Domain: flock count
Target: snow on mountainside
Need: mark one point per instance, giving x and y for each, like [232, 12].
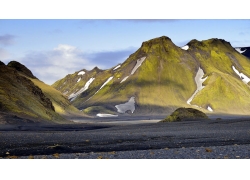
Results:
[160, 77]
[244, 51]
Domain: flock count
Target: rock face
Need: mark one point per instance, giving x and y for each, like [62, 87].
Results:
[181, 114]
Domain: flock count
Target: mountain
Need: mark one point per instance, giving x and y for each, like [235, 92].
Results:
[160, 77]
[23, 98]
[244, 51]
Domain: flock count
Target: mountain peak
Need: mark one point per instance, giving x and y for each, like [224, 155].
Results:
[96, 69]
[159, 43]
[20, 67]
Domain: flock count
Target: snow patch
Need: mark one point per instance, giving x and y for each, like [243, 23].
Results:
[210, 109]
[243, 77]
[185, 47]
[138, 64]
[117, 67]
[106, 115]
[239, 50]
[73, 96]
[79, 79]
[130, 105]
[109, 79]
[124, 79]
[81, 73]
[198, 81]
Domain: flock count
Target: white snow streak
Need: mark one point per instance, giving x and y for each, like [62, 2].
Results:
[117, 67]
[130, 105]
[124, 79]
[79, 79]
[109, 79]
[106, 115]
[185, 47]
[209, 108]
[86, 86]
[81, 73]
[138, 64]
[198, 81]
[239, 50]
[243, 77]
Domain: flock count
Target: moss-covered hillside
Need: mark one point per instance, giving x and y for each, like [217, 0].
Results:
[161, 77]
[24, 96]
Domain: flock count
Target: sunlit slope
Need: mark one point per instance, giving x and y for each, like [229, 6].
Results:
[59, 101]
[160, 77]
[224, 90]
[19, 96]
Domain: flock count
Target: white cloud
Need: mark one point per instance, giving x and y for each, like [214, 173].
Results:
[3, 54]
[50, 66]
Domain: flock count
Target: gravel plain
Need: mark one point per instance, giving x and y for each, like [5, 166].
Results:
[200, 139]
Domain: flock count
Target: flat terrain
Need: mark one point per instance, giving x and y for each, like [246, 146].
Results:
[127, 138]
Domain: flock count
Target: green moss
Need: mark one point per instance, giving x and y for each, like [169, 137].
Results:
[185, 114]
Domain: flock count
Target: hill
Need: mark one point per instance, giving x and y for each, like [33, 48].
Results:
[23, 98]
[159, 77]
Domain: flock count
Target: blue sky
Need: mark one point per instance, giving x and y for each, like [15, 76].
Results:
[53, 48]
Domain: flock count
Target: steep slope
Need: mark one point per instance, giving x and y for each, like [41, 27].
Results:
[224, 90]
[23, 101]
[160, 77]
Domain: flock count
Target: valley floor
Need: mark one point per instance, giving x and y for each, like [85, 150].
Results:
[226, 138]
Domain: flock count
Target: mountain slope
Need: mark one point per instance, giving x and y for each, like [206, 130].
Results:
[21, 96]
[160, 77]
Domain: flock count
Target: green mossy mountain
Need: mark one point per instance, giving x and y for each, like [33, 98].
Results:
[23, 96]
[182, 114]
[165, 80]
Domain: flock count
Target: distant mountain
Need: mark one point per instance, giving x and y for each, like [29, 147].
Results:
[160, 77]
[244, 51]
[23, 98]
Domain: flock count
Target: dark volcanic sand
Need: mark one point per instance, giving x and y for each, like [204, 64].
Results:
[226, 138]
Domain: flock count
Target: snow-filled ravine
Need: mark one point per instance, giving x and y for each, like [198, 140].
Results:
[138, 64]
[124, 79]
[209, 108]
[106, 82]
[198, 80]
[117, 67]
[106, 115]
[185, 47]
[81, 73]
[130, 105]
[243, 77]
[240, 51]
[86, 86]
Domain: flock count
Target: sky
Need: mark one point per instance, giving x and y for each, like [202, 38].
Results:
[53, 48]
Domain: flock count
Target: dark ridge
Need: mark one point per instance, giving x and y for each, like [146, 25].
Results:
[96, 69]
[21, 68]
[1, 63]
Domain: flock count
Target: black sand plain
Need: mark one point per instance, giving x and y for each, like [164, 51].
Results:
[129, 137]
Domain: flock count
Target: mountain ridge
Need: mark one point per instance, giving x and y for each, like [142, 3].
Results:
[160, 76]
